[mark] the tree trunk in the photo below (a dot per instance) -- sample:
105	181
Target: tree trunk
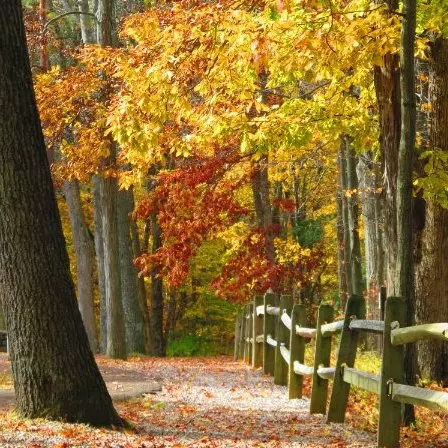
263	211
353	215
85	22
157	302
142	297
133	316
85	259
99	249
116	344
54	371
367	187
341	227
342	162
405	267
104	17
387	87
431	269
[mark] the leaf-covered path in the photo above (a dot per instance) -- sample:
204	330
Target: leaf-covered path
207	402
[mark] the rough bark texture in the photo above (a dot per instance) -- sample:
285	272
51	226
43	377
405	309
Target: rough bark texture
405	267
431	268
387	87
54	371
99	249
133	316
85	259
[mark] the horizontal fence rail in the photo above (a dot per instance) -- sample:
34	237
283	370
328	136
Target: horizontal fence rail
271	333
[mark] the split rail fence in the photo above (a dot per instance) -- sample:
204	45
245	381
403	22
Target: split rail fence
271	333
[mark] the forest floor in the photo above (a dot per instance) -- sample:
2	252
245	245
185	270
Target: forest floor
204	403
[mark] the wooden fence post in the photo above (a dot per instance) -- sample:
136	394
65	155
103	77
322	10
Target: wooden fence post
297	348
251	331
237	337
319	390
246	332
269	322
346	356
281	368
257	355
392	369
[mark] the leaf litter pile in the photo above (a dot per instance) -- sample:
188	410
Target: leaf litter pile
204	402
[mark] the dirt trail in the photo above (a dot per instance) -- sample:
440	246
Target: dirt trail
207	402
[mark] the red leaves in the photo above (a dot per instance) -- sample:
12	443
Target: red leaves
191	203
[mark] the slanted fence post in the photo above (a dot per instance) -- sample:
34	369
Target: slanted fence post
250	332
257	355
281	371
346	357
246	332
322	354
392	369
297	348
269	327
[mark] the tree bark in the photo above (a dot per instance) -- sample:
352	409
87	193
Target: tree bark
353	224
85	22
133	316
85	259
405	267
116	343
54	371
387	87
343	232
99	249
367	187
157	302
142	296
431	268
263	210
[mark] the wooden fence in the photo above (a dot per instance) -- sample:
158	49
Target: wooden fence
271	333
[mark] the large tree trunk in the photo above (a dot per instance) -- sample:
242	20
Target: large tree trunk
387	87
54	371
116	343
99	249
116	340
431	269
133	316
85	259
405	266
